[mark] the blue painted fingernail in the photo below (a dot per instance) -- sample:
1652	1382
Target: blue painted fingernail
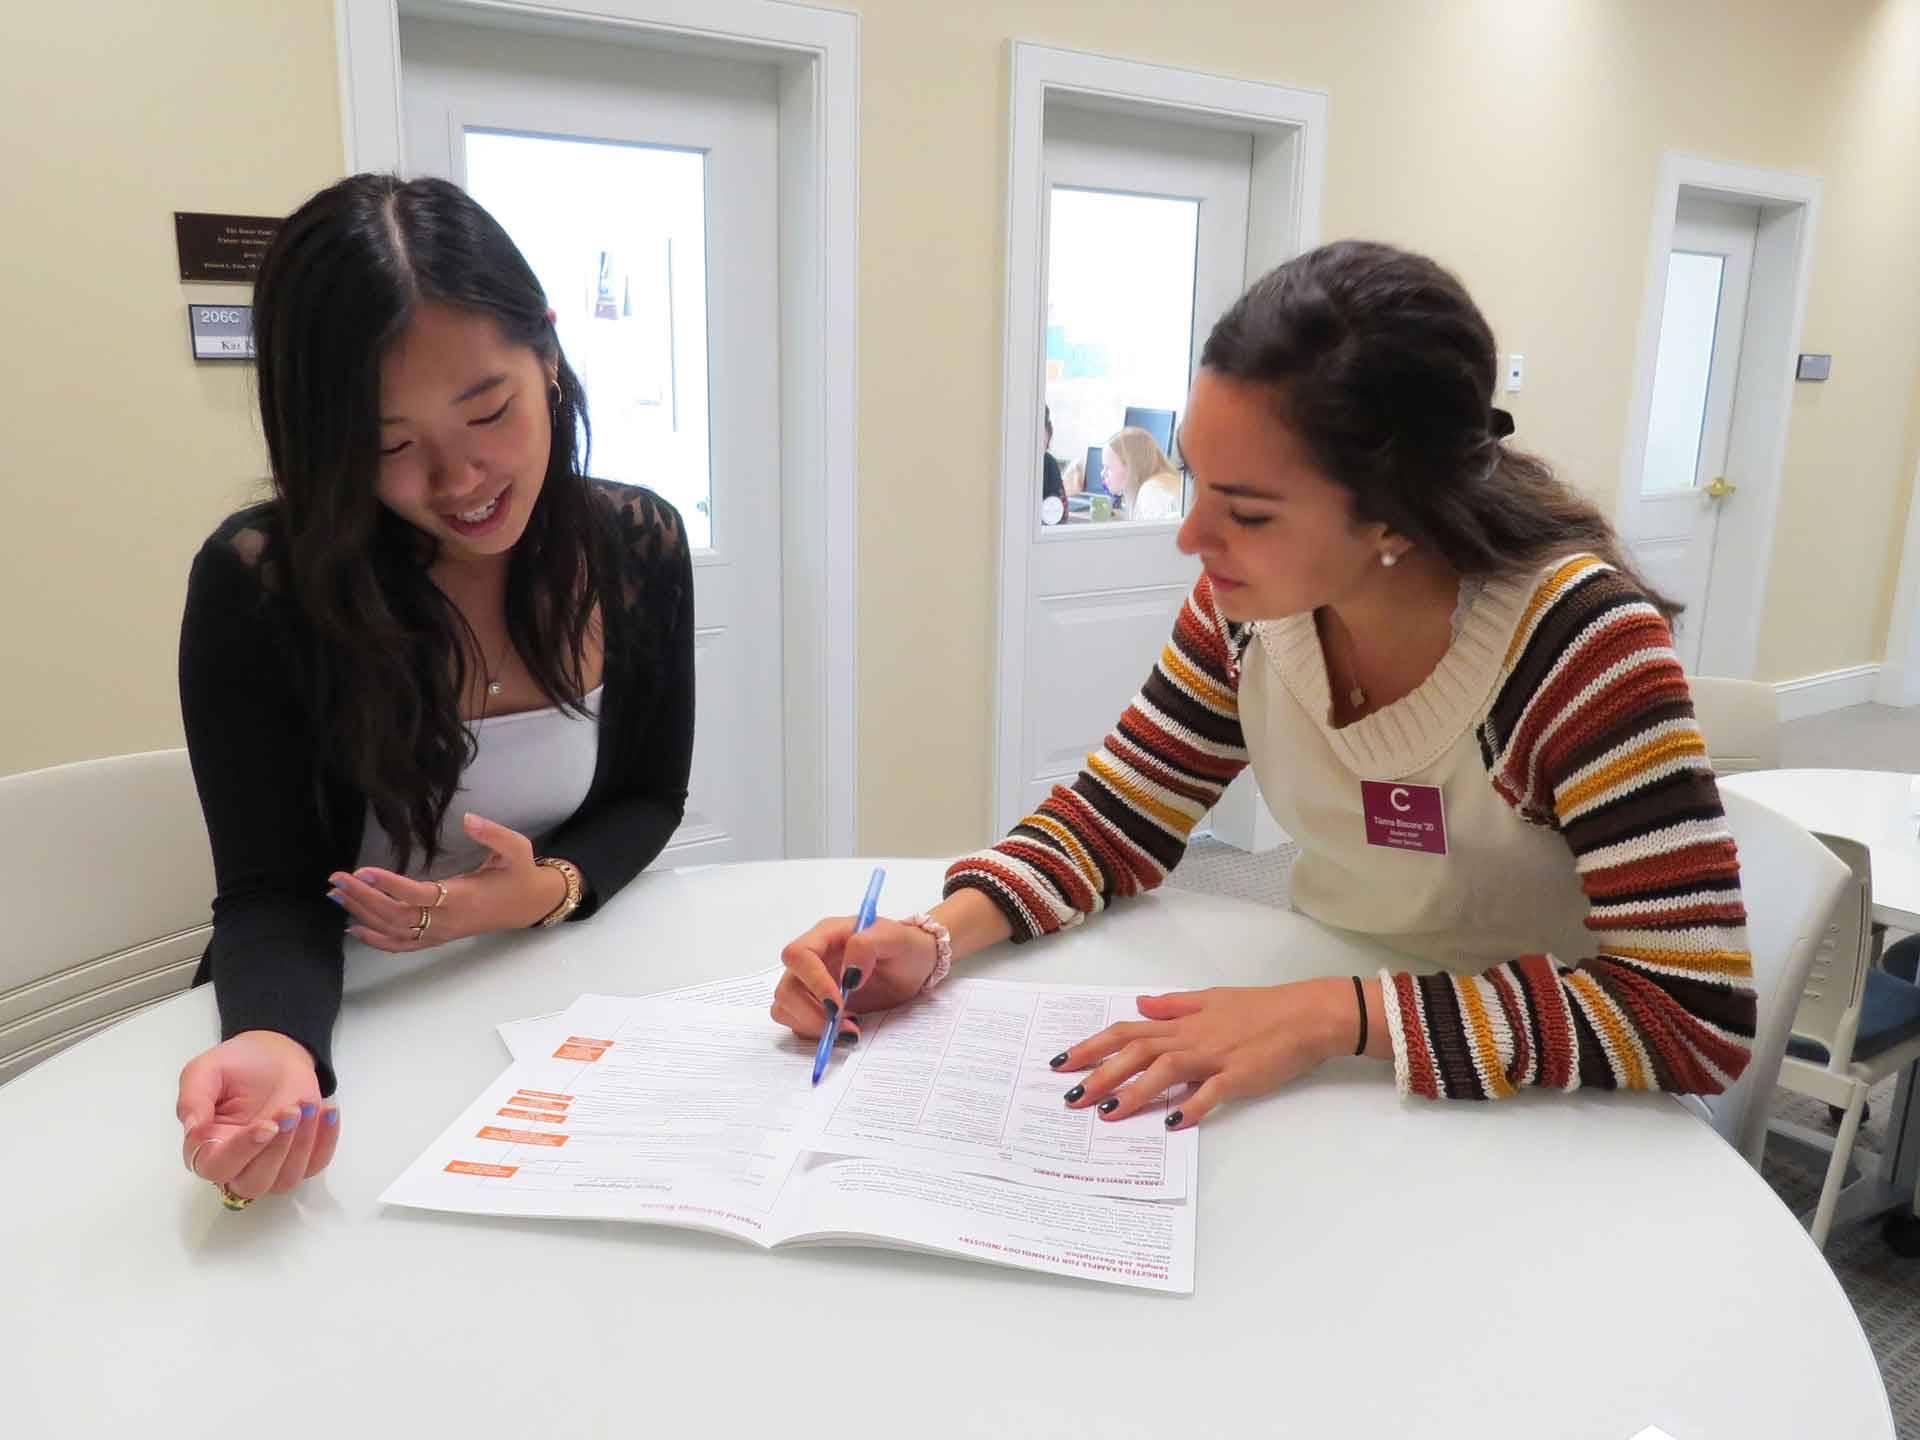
332	1117
287	1122
336	897
307	1112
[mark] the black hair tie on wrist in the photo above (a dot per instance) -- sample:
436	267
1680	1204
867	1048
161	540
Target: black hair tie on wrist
1360	997
1500	423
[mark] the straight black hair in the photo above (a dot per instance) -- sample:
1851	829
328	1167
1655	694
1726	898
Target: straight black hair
383	655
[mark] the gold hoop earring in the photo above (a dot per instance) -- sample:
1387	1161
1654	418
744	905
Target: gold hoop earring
553	388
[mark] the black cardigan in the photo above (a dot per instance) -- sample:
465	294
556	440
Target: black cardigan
275	957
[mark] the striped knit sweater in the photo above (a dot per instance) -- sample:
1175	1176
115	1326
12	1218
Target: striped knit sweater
1584	736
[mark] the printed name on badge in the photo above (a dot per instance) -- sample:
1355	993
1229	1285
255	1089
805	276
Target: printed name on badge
1404	817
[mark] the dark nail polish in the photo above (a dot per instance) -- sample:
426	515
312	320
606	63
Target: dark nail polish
1173	1118
1075	1093
1110	1104
1059	1059
850	979
831	1009
848	1037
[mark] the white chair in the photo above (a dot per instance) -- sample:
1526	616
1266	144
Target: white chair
1741	721
105	879
1791	884
1856	1025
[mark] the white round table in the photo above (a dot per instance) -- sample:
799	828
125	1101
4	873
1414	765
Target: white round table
1563	1265
1874	807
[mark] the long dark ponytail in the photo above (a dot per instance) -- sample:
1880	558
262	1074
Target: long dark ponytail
382	654
1384	365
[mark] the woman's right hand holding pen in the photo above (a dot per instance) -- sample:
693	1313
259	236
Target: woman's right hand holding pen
885	965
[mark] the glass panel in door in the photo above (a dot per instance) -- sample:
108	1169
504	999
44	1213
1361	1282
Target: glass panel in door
1683	371
1119	343
616	234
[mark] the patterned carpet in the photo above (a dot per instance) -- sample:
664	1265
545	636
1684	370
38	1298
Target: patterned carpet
1884	1288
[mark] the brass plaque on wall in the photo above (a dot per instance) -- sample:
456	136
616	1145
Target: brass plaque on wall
221	247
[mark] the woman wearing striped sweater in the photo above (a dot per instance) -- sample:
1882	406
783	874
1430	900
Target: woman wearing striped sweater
1456	695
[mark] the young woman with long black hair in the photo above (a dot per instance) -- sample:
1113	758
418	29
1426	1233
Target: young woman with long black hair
440	683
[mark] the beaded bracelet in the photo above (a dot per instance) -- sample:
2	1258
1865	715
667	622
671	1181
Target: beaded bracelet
942	948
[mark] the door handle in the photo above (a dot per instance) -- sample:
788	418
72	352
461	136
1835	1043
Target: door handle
1720	489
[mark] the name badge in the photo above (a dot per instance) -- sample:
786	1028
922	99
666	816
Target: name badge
1404	817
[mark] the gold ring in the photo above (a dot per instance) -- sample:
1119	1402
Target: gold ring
443	894
426	921
231	1200
193	1160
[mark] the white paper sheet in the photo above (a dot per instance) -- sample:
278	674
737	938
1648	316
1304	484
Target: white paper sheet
655	1109
535	1038
683	1111
1143	1243
959	1081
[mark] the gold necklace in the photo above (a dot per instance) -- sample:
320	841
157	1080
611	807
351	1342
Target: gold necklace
1356	696
494	683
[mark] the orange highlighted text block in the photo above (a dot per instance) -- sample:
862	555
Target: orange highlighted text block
579	1052
551	1117
474	1167
521	1137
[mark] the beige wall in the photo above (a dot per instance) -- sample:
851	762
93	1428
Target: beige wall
121	453
1516	140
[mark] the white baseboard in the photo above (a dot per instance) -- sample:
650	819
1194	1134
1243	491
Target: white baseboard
1835	690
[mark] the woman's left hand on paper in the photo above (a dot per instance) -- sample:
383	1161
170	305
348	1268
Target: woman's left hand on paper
508	891
1227	1044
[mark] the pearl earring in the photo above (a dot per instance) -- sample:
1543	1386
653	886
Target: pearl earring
1389	559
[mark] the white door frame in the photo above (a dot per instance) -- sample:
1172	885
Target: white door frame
817	53
1899	682
1289	166
1789	207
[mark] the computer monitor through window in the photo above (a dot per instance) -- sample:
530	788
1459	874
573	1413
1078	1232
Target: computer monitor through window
1157	423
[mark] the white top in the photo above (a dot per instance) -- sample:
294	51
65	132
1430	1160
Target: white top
531	771
1158	498
1367	1266
1878	808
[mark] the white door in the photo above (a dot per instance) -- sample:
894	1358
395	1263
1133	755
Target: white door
1146	243
641	188
1689	475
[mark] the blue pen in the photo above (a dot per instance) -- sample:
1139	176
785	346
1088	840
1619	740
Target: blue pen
831	1034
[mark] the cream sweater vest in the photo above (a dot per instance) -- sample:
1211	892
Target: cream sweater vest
1505	887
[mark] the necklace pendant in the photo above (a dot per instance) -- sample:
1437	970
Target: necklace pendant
494	687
